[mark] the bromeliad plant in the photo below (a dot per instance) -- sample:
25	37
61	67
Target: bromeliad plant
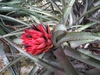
71	47
37	39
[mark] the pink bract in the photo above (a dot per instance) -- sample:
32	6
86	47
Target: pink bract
37	39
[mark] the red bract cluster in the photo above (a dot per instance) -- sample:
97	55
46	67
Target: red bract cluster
37	39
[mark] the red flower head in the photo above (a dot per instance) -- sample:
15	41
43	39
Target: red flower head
37	39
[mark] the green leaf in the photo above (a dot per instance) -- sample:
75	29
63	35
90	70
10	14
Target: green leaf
45	72
12	19
2	25
50	67
14	2
83	27
67	11
65	63
6	61
89	11
89	53
84	10
34	70
93	71
77	43
11	63
56	6
39	13
36	19
56	34
2	31
94	20
60	27
74	36
7	9
11	34
86	58
37	10
63	3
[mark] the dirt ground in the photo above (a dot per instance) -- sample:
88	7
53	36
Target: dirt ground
1	63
